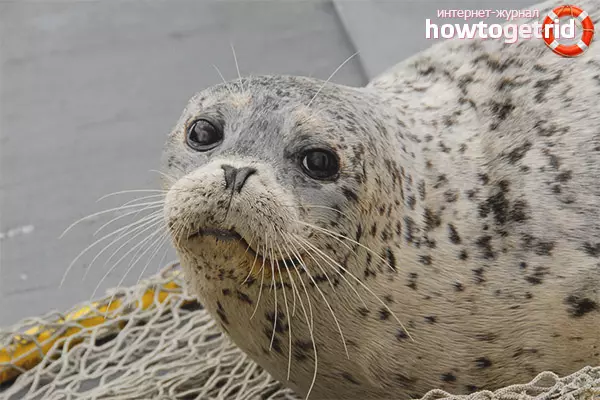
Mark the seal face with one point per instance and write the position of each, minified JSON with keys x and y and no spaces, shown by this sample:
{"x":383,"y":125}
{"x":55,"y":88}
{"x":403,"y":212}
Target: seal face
{"x":436,"y":229}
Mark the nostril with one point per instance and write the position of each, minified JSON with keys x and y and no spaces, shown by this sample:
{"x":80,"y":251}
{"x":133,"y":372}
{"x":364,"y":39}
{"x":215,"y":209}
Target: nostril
{"x":237,"y":177}
{"x":242,"y":175}
{"x":229,"y":175}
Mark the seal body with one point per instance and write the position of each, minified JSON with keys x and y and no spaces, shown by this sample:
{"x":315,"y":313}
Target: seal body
{"x":456,"y":244}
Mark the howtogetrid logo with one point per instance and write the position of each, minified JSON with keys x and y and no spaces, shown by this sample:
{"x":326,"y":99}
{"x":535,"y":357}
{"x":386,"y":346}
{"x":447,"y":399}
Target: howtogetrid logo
{"x":551,"y":23}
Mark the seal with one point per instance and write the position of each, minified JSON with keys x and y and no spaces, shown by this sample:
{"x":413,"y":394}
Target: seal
{"x":437,"y":228}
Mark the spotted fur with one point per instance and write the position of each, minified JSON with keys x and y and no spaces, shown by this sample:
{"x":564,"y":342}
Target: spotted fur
{"x":471,"y":174}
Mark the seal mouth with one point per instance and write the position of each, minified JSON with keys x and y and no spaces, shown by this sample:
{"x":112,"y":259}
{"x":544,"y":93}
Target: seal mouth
{"x":230,"y":235}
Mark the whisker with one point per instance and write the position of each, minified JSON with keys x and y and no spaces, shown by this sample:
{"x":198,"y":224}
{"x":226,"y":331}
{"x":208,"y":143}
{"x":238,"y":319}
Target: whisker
{"x":144,"y":222}
{"x":131,"y":191}
{"x":62,"y":281}
{"x":339,"y":236}
{"x":305,"y":292}
{"x":237,"y":67}
{"x":331,"y":76}
{"x":171,"y":178}
{"x":222,"y":78}
{"x":287,"y":312}
{"x":121,"y":217}
{"x":155,"y":203}
{"x":253,"y":264}
{"x":299,"y":241}
{"x":299,"y":259}
{"x":262,"y":278}
{"x":154,"y":220}
{"x":275,"y":297}
{"x":310,"y":326}
{"x":366,"y":288}
{"x":114,"y":266}
{"x":323,"y":207}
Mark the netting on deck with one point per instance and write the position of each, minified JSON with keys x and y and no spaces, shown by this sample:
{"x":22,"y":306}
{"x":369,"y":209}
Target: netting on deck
{"x":155,"y":341}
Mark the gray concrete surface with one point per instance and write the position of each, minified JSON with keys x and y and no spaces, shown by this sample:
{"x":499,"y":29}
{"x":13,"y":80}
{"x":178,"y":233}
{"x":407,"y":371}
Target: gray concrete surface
{"x":388,"y":31}
{"x":90,"y":89}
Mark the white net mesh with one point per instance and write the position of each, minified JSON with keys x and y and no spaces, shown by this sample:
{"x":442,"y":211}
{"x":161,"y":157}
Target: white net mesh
{"x":157,"y":342}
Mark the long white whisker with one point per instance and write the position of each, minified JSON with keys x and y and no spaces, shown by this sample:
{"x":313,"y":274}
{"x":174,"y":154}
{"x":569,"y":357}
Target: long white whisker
{"x":62,"y":281}
{"x":310,"y":326}
{"x":339,"y":236}
{"x":160,"y":237}
{"x":275,"y":297}
{"x":150,"y":221}
{"x":222,"y":78}
{"x":237,"y":67}
{"x":132,"y":191}
{"x":156,"y":203}
{"x":299,"y":259}
{"x":123,"y":257}
{"x":364,"y":287}
{"x":171,"y":178}
{"x":331,"y":76}
{"x":121,"y":217}
{"x":262,"y":277}
{"x":144,"y":222}
{"x":287,"y":312}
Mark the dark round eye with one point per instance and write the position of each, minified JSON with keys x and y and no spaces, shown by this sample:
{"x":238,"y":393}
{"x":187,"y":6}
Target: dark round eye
{"x":320,"y":164}
{"x":202,"y":135}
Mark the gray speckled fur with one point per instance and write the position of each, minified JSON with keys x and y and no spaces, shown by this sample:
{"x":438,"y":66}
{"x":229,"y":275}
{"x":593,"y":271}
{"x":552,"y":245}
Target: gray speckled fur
{"x":471,"y":171}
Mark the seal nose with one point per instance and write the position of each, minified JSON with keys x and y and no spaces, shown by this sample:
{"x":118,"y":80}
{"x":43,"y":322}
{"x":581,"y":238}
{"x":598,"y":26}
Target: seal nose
{"x":236,"y":177}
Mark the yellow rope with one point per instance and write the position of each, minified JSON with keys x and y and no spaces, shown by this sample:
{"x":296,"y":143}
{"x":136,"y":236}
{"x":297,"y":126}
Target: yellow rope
{"x":29,"y":348}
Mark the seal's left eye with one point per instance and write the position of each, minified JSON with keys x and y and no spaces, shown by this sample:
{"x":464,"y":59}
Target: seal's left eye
{"x":320,"y":164}
{"x":202,"y":135}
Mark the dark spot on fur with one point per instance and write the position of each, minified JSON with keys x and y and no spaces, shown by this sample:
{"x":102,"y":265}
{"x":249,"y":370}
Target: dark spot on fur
{"x":421,"y":189}
{"x":472,"y":389}
{"x":412,"y":280}
{"x":302,"y":349}
{"x":592,"y":249}
{"x":484,"y":243}
{"x":363,"y":311}
{"x":579,"y":306}
{"x":463,"y":255}
{"x":534,"y":280}
{"x":483,"y":178}
{"x":479,"y":275}
{"x":384,"y":314}
{"x":431,"y":319}
{"x":391,"y":258}
{"x":410,"y":229}
{"x":350,"y":378}
{"x":221,"y":313}
{"x":544,"y":248}
{"x":425,"y":259}
{"x":448,"y":377}
{"x":486,"y":337}
{"x":244,"y":297}
{"x":401,"y":334}
{"x":441,"y":180}
{"x":350,"y":194}
{"x":410,"y":202}
{"x":226,"y":292}
{"x":374,"y":230}
{"x":483,"y":362}
{"x":453,"y":234}
{"x":432,"y":220}
{"x":459,"y":287}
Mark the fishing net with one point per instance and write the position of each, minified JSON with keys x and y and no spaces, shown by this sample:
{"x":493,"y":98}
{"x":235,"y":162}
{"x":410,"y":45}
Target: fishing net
{"x":155,"y":341}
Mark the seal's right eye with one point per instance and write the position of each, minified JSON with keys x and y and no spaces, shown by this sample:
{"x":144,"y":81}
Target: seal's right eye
{"x":202,"y":135}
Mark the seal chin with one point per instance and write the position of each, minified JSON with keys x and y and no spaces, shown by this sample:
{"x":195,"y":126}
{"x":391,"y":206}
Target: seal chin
{"x":230,"y":235}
